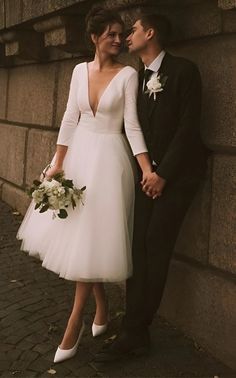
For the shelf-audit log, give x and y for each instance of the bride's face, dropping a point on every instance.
(110, 41)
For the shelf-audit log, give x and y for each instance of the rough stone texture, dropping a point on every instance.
(202, 304)
(31, 94)
(219, 82)
(229, 21)
(56, 37)
(194, 20)
(193, 240)
(12, 150)
(1, 186)
(33, 9)
(223, 217)
(3, 91)
(2, 19)
(227, 4)
(64, 78)
(40, 149)
(15, 197)
(13, 9)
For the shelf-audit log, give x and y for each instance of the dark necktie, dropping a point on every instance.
(147, 75)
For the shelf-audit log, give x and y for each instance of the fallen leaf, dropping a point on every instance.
(51, 371)
(110, 339)
(52, 328)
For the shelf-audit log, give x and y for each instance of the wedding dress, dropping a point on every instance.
(94, 242)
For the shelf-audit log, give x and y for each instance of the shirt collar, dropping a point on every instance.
(156, 64)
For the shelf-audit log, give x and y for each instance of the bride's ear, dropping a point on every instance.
(94, 39)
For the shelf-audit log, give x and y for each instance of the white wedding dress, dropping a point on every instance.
(94, 242)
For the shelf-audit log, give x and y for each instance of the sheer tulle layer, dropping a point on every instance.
(94, 242)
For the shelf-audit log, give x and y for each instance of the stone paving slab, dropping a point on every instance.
(35, 305)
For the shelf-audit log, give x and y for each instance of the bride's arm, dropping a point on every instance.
(132, 126)
(68, 125)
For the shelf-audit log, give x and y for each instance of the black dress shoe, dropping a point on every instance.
(125, 345)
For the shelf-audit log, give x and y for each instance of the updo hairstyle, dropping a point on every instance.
(99, 18)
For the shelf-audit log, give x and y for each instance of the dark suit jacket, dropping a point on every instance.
(171, 123)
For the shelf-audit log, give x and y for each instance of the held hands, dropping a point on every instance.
(152, 184)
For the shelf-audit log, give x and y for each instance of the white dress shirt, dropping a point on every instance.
(156, 64)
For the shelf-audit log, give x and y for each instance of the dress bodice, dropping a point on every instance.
(117, 106)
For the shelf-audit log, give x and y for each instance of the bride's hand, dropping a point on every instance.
(52, 171)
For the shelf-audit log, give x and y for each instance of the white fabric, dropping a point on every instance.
(94, 242)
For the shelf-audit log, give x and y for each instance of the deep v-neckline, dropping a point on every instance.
(104, 91)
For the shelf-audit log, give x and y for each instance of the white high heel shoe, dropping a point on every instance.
(98, 330)
(65, 354)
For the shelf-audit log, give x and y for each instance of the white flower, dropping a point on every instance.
(155, 85)
(37, 195)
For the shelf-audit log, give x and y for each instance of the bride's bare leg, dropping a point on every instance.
(82, 292)
(101, 316)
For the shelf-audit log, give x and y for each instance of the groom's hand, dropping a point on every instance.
(153, 185)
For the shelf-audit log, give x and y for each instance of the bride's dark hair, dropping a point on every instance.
(99, 18)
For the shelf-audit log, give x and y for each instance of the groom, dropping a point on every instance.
(169, 109)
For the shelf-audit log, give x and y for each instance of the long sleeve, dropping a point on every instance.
(72, 113)
(132, 127)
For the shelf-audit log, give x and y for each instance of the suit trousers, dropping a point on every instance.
(156, 227)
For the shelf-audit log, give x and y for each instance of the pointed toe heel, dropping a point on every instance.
(65, 354)
(98, 330)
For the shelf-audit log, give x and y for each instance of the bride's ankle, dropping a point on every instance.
(101, 316)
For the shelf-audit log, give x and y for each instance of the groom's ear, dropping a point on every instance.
(150, 33)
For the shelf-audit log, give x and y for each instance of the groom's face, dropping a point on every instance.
(138, 38)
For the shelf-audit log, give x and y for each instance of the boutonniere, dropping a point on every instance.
(156, 84)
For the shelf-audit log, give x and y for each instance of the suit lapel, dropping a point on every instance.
(142, 102)
(152, 104)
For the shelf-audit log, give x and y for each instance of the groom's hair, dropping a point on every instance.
(159, 23)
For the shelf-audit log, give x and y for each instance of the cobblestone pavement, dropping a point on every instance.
(34, 306)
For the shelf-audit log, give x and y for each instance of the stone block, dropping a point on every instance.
(56, 37)
(2, 18)
(1, 186)
(64, 78)
(31, 94)
(195, 20)
(223, 217)
(227, 4)
(15, 197)
(12, 152)
(229, 21)
(203, 305)
(193, 240)
(218, 73)
(13, 12)
(40, 150)
(33, 9)
(3, 91)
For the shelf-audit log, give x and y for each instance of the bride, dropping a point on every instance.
(93, 245)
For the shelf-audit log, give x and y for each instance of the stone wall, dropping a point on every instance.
(40, 42)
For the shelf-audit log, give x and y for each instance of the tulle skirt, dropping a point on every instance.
(93, 244)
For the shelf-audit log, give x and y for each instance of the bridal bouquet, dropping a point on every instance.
(56, 193)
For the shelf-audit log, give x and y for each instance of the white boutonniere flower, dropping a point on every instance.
(156, 84)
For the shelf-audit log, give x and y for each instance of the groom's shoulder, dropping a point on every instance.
(182, 65)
